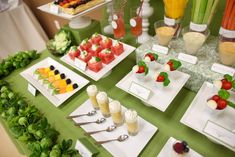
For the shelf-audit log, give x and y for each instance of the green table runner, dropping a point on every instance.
(168, 122)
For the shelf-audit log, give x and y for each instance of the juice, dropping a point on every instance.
(119, 32)
(136, 29)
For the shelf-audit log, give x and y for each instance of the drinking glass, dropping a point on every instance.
(118, 24)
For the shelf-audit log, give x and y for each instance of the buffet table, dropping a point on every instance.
(167, 122)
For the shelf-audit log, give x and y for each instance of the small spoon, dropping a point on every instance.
(91, 113)
(121, 138)
(98, 121)
(108, 129)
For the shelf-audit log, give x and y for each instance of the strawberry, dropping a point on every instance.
(227, 85)
(215, 98)
(160, 78)
(221, 104)
(141, 69)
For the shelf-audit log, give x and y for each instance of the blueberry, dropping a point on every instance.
(186, 149)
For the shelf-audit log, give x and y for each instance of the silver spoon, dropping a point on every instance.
(121, 138)
(98, 121)
(108, 129)
(91, 113)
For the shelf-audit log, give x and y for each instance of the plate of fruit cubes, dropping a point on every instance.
(56, 82)
(97, 56)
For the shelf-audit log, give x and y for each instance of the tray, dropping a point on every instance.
(217, 127)
(46, 8)
(159, 99)
(135, 144)
(106, 68)
(58, 99)
(167, 150)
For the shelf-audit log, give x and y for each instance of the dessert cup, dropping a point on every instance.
(164, 33)
(116, 112)
(92, 91)
(227, 49)
(103, 102)
(193, 41)
(131, 119)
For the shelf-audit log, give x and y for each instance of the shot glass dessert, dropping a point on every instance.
(103, 102)
(116, 112)
(131, 119)
(92, 91)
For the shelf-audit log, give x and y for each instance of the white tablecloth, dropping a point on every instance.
(20, 30)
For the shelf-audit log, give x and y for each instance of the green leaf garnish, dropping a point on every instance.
(231, 104)
(97, 59)
(164, 74)
(233, 84)
(224, 94)
(146, 69)
(176, 64)
(155, 56)
(166, 82)
(228, 77)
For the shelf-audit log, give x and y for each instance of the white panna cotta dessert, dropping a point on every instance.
(131, 118)
(116, 112)
(103, 101)
(92, 91)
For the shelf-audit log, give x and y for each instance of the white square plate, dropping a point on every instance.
(167, 150)
(58, 99)
(106, 68)
(129, 148)
(198, 116)
(160, 98)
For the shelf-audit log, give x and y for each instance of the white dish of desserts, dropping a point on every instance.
(46, 8)
(159, 98)
(129, 148)
(106, 67)
(168, 151)
(217, 127)
(57, 99)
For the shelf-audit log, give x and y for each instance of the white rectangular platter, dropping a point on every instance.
(106, 68)
(217, 127)
(129, 148)
(58, 99)
(167, 150)
(159, 98)
(46, 8)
